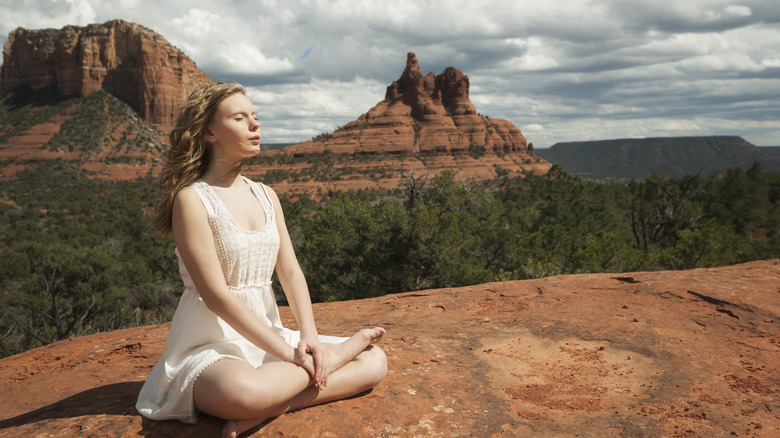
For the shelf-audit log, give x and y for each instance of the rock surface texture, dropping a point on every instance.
(431, 113)
(129, 61)
(653, 354)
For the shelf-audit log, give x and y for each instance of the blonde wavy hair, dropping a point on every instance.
(189, 155)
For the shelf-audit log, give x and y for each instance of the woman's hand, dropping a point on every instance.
(312, 347)
(305, 361)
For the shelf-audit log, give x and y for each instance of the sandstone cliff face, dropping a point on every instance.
(653, 354)
(129, 61)
(431, 113)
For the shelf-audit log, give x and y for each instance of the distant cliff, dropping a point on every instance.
(127, 60)
(429, 113)
(670, 156)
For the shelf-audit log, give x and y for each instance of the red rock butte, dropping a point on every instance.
(129, 61)
(431, 113)
(653, 354)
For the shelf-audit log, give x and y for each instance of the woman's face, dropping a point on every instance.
(234, 129)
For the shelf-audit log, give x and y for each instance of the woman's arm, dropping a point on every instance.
(195, 242)
(293, 282)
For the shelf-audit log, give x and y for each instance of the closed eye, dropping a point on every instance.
(239, 117)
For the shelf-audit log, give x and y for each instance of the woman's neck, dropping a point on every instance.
(222, 174)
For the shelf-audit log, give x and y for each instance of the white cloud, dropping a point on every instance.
(41, 14)
(197, 24)
(738, 11)
(737, 62)
(730, 11)
(323, 104)
(681, 45)
(773, 62)
(247, 59)
(536, 55)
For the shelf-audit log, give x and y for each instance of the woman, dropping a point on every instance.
(227, 353)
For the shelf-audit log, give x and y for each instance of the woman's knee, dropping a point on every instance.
(375, 364)
(235, 397)
(250, 395)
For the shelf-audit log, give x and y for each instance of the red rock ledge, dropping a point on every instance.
(668, 354)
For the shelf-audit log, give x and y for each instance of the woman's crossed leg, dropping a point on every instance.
(248, 396)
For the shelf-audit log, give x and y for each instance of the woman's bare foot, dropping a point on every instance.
(343, 353)
(234, 428)
(373, 334)
(231, 429)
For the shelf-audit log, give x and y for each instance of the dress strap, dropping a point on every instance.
(265, 200)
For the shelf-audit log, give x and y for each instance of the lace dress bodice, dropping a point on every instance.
(247, 258)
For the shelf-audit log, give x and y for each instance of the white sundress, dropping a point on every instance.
(198, 337)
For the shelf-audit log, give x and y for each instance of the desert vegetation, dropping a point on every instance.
(79, 255)
(23, 108)
(90, 125)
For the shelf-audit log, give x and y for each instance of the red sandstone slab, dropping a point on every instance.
(683, 353)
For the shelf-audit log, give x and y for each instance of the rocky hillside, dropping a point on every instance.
(97, 133)
(654, 354)
(431, 113)
(671, 156)
(127, 60)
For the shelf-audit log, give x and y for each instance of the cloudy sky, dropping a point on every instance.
(560, 70)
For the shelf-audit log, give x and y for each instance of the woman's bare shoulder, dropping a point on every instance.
(187, 193)
(187, 200)
(271, 191)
